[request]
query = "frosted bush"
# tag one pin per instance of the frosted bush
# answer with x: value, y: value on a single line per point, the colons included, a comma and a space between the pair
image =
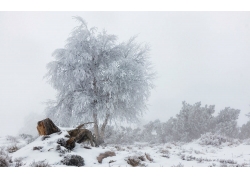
x: 12, y: 139
x: 73, y: 160
x: 216, y: 140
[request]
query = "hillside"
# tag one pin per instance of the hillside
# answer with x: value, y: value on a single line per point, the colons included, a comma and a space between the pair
x: 47, y: 152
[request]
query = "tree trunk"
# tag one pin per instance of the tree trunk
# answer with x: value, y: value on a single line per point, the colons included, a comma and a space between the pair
x: 96, y: 129
x: 103, y: 127
x: 47, y: 127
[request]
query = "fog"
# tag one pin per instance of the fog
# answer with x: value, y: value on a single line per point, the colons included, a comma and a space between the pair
x: 198, y: 56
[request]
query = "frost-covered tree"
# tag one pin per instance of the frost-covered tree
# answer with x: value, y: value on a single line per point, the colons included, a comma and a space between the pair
x: 191, y: 122
x: 98, y: 79
x: 226, y: 122
x: 154, y: 132
x: 245, y: 131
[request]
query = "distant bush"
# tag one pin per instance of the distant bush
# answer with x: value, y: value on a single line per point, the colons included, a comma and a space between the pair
x: 216, y: 140
x: 121, y: 135
x: 245, y: 131
x: 73, y: 160
x: 191, y: 122
x: 226, y: 122
x: 27, y: 137
x: 12, y: 139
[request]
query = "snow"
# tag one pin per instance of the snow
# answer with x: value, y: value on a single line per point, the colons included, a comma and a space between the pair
x: 190, y: 154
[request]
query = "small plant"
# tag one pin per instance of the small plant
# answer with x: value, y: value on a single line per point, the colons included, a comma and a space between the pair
x: 198, y: 152
x: 45, y: 137
x: 12, y: 139
x: 119, y: 148
x: 129, y: 147
x: 212, y: 165
x: 12, y: 148
x: 164, y: 151
x: 4, y: 161
x: 62, y: 150
x: 199, y: 160
x: 37, y: 148
x: 134, y: 161
x: 27, y: 137
x: 61, y: 141
x: 228, y: 161
x: 190, y: 158
x: 148, y: 157
x: 39, y: 164
x: 73, y: 160
x: 223, y: 165
x: 169, y: 147
x: 179, y: 165
x: 183, y: 157
x: 142, y: 158
x: 18, y: 162
x: 165, y: 155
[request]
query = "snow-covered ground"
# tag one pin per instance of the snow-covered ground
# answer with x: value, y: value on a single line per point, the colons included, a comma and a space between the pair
x: 162, y: 155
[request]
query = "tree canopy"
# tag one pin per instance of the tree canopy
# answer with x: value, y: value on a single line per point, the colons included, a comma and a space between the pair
x: 97, y: 77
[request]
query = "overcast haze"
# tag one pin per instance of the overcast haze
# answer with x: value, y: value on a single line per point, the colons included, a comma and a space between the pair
x: 198, y: 56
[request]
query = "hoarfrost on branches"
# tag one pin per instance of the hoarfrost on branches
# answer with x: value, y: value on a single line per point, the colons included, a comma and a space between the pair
x: 97, y: 78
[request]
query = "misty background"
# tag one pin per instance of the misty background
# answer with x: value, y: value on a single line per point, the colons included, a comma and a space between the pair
x: 198, y: 56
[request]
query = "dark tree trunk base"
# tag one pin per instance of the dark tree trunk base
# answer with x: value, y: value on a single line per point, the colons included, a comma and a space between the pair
x: 47, y: 127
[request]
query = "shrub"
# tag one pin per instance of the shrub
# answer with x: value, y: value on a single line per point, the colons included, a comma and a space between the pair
x: 12, y: 148
x: 37, y: 148
x: 245, y: 131
x: 40, y: 164
x: 27, y: 137
x: 216, y: 140
x: 73, y: 160
x: 12, y: 139
x: 226, y: 122
x: 134, y: 161
x: 4, y: 161
x: 18, y: 162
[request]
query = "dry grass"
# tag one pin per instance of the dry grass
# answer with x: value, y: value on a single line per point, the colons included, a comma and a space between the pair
x: 148, y: 157
x: 105, y: 155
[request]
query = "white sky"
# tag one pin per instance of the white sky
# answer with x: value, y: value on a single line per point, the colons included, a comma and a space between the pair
x: 199, y: 56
